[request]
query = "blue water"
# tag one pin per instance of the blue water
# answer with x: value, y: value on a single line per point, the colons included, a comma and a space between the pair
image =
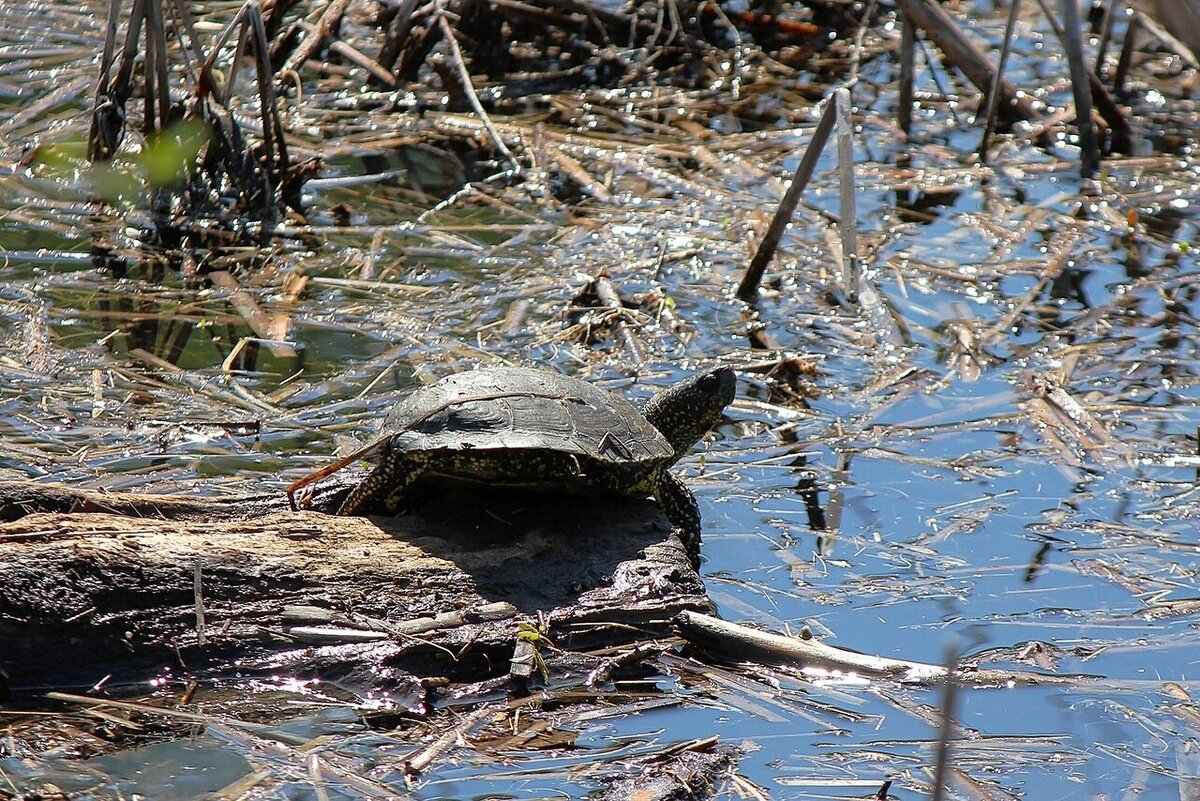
x: 956, y: 514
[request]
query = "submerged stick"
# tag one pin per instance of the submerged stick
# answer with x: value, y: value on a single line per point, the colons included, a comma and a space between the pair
x: 271, y: 331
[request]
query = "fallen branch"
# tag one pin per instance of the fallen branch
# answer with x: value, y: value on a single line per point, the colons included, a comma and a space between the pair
x: 713, y: 634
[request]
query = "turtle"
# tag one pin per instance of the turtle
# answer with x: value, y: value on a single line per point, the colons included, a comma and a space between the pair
x: 532, y: 429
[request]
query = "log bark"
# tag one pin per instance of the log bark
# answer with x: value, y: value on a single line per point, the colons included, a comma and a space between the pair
x: 117, y: 586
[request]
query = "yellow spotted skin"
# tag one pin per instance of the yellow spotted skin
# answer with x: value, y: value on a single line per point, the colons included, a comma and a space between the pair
x: 528, y: 429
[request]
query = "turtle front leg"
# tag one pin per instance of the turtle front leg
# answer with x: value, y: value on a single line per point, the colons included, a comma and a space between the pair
x: 680, y: 507
x: 384, y: 487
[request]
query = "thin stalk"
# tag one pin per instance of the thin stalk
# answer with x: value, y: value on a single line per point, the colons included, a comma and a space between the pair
x: 1110, y: 14
x: 846, y: 205
x: 469, y: 89
x: 1081, y: 86
x: 908, y: 57
x: 787, y: 206
x: 941, y: 765
x: 994, y: 92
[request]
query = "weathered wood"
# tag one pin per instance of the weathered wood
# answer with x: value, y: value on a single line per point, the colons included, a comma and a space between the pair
x: 21, y: 498
x: 721, y: 636
x: 732, y: 640
x: 90, y: 593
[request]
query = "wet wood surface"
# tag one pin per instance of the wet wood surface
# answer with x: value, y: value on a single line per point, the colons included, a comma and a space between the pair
x: 116, y: 584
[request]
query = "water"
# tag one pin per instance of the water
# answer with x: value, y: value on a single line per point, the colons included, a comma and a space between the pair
x: 960, y: 510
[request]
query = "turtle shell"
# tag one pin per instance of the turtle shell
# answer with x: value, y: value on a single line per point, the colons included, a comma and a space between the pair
x: 530, y: 411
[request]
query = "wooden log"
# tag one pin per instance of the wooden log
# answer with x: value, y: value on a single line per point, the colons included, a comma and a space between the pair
x: 88, y: 594
x: 22, y: 498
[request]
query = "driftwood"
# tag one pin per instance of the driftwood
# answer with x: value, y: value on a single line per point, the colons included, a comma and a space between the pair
x: 806, y: 654
x: 98, y: 584
x: 717, y: 635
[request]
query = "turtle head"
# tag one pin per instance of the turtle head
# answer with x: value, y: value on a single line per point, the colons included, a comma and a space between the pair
x: 684, y: 412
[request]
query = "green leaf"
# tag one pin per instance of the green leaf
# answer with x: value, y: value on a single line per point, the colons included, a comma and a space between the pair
x: 170, y: 155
